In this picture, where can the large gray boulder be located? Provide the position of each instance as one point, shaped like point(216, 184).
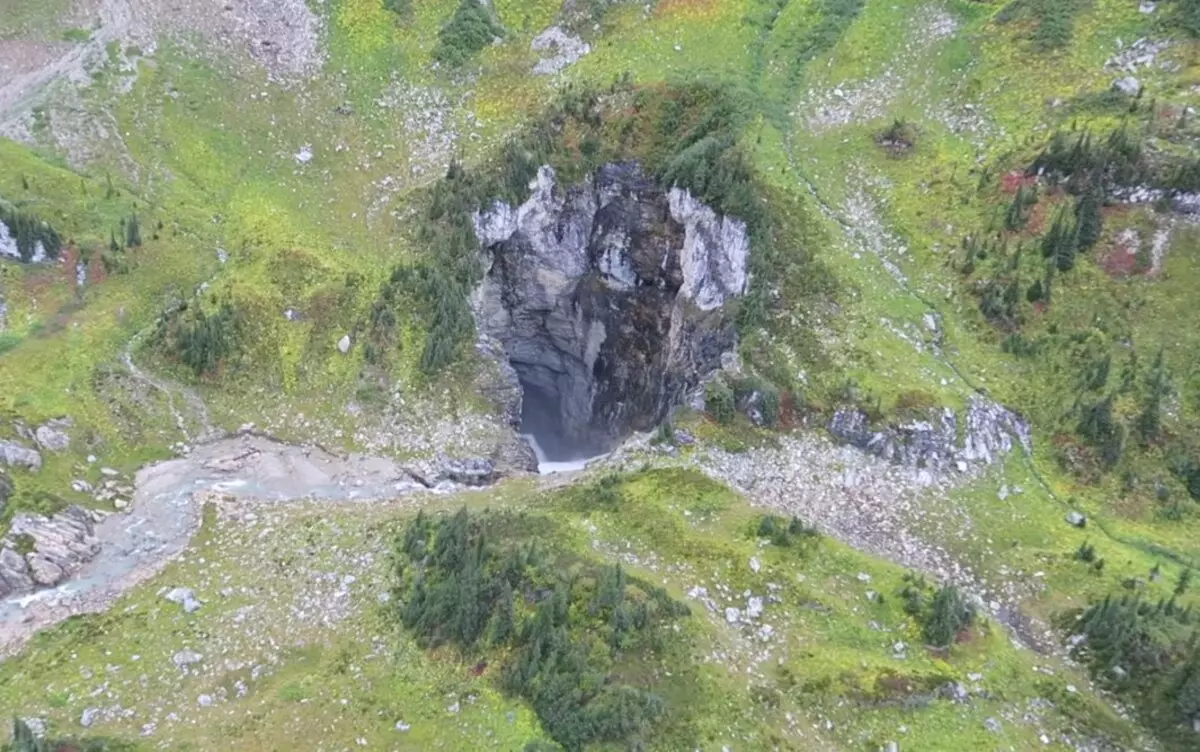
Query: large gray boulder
point(13, 454)
point(51, 438)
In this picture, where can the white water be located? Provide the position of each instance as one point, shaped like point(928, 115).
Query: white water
point(546, 467)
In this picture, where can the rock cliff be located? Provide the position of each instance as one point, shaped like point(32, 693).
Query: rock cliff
point(990, 432)
point(610, 299)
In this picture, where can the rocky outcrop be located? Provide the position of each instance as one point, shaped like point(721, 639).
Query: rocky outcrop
point(13, 454)
point(53, 549)
point(559, 50)
point(991, 431)
point(52, 437)
point(608, 299)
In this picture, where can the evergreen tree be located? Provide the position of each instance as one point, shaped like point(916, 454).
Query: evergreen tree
point(1088, 219)
point(1185, 580)
point(949, 614)
point(133, 233)
point(1158, 389)
point(113, 245)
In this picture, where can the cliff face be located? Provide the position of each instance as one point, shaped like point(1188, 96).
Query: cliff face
point(610, 299)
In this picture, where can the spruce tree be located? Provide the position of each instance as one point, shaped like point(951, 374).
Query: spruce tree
point(1088, 220)
point(1158, 389)
point(1185, 579)
point(133, 233)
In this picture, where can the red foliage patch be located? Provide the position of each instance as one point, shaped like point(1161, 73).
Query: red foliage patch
point(1013, 181)
point(1122, 259)
point(479, 668)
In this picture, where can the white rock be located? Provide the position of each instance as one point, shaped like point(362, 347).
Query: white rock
point(402, 726)
point(204, 701)
point(89, 717)
point(754, 607)
point(755, 565)
point(732, 615)
point(343, 344)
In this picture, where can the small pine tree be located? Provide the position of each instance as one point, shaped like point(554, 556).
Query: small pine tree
point(1158, 389)
point(113, 245)
point(1088, 219)
point(133, 233)
point(948, 615)
point(1185, 580)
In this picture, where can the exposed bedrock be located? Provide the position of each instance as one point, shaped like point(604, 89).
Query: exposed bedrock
point(611, 299)
point(989, 433)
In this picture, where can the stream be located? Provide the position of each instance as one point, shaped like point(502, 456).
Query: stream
point(166, 511)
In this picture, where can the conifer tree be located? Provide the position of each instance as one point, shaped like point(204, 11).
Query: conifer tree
point(133, 233)
point(1088, 220)
point(1158, 389)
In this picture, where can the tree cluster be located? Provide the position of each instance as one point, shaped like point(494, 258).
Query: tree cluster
point(469, 30)
point(786, 534)
point(1147, 652)
point(29, 231)
point(564, 626)
point(943, 613)
point(199, 338)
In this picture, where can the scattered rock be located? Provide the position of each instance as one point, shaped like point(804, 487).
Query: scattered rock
point(402, 726)
point(204, 701)
point(89, 717)
point(1076, 519)
point(732, 615)
point(185, 658)
point(343, 344)
point(991, 724)
point(184, 597)
point(1129, 86)
point(755, 564)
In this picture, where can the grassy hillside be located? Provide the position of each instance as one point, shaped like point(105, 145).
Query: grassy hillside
point(929, 217)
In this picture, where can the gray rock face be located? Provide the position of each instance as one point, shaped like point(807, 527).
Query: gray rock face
point(51, 439)
point(61, 544)
point(13, 454)
point(1129, 86)
point(560, 50)
point(608, 300)
point(991, 432)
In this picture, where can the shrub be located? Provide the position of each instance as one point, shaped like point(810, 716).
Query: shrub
point(469, 30)
point(949, 614)
point(719, 402)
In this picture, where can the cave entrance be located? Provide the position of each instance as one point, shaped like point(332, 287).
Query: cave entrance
point(608, 298)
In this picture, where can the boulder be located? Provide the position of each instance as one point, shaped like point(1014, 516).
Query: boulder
point(470, 472)
point(13, 454)
point(343, 344)
point(44, 572)
point(1129, 86)
point(14, 573)
point(1076, 519)
point(52, 439)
